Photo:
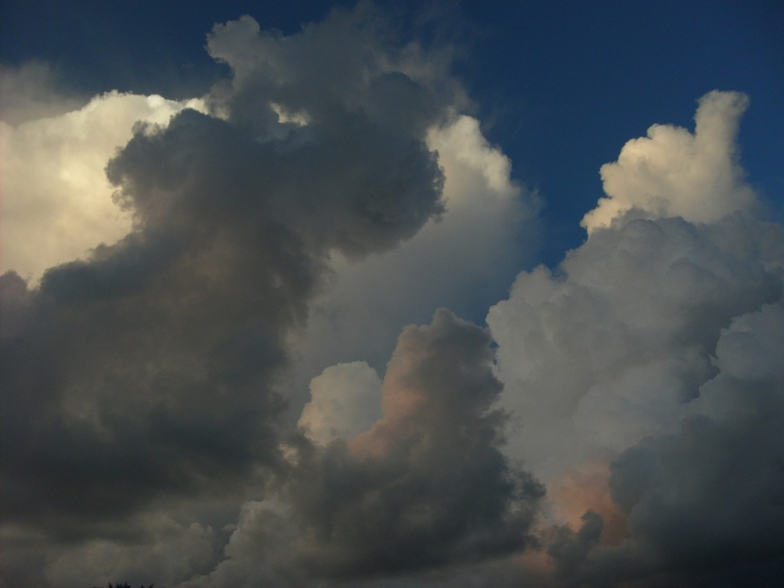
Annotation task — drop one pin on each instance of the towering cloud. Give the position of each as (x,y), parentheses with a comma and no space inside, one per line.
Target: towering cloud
(644,371)
(227,390)
(426,486)
(140,411)
(673,172)
(153,360)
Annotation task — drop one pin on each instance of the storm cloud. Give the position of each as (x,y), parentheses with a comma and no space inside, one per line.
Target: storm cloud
(252,379)
(426,486)
(145,371)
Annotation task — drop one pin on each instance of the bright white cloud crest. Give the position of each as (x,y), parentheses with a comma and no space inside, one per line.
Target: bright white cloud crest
(673,172)
(57,202)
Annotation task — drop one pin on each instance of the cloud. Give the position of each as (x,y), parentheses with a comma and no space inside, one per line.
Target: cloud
(625,331)
(326,194)
(57,202)
(425,486)
(708,496)
(673,172)
(345,401)
(465,260)
(154,358)
(143,422)
(33,91)
(644,374)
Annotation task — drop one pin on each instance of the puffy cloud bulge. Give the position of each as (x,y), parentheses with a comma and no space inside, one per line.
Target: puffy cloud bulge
(235,216)
(56,198)
(256,257)
(644,372)
(141,405)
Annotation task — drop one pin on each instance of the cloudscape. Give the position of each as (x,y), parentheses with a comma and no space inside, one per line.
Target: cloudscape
(297,322)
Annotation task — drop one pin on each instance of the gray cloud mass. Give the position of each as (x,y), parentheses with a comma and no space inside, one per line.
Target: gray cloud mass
(145,371)
(427,484)
(619,422)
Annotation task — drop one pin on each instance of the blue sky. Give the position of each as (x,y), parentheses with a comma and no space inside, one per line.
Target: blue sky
(404,294)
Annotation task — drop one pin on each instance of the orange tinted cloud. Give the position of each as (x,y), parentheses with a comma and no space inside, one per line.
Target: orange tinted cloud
(583,488)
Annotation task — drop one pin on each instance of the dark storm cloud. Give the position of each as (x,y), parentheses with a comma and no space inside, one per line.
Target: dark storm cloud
(427,485)
(569,549)
(709,500)
(146,371)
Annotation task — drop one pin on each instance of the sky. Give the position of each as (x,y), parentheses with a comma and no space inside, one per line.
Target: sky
(392,294)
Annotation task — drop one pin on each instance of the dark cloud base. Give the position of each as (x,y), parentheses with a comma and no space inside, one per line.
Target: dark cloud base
(427,485)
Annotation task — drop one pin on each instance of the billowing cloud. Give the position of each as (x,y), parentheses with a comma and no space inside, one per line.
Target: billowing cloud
(464,260)
(673,172)
(345,401)
(624,331)
(644,373)
(141,414)
(426,486)
(154,358)
(708,497)
(265,245)
(57,202)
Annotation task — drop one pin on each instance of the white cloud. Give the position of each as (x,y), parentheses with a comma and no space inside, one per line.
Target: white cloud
(610,348)
(673,172)
(345,401)
(57,202)
(614,344)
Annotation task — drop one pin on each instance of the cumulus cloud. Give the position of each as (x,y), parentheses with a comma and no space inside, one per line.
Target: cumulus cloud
(142,377)
(624,331)
(57,201)
(464,260)
(154,358)
(708,497)
(425,486)
(644,371)
(324,196)
(673,172)
(345,401)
